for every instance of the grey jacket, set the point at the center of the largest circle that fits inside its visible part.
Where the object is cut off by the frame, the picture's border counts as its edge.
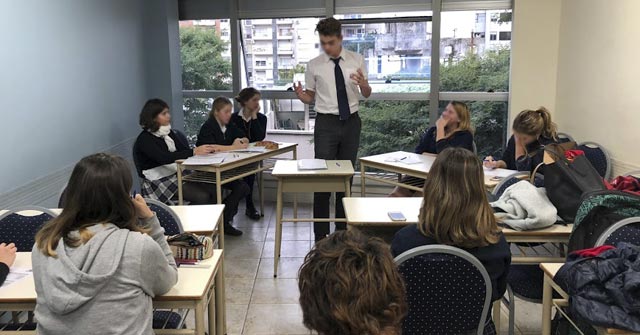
(104, 286)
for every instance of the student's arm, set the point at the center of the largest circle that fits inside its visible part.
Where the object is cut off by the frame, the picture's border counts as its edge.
(307, 95)
(423, 145)
(206, 135)
(7, 257)
(259, 128)
(362, 79)
(158, 268)
(461, 139)
(150, 149)
(4, 271)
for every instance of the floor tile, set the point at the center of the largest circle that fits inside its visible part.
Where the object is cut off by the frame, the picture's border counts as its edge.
(287, 268)
(254, 234)
(241, 268)
(236, 315)
(286, 320)
(288, 248)
(275, 291)
(291, 233)
(237, 247)
(528, 316)
(238, 290)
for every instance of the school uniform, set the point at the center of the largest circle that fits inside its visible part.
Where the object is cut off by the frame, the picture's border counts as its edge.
(529, 161)
(212, 132)
(337, 128)
(496, 258)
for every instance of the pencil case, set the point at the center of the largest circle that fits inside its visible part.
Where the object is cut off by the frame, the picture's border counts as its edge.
(191, 246)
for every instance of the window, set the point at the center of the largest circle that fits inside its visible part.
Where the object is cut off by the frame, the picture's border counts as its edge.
(261, 63)
(478, 67)
(205, 55)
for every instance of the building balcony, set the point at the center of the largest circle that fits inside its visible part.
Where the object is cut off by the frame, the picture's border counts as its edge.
(262, 37)
(285, 37)
(285, 51)
(262, 51)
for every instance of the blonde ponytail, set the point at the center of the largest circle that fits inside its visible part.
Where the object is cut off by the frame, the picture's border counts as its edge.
(535, 123)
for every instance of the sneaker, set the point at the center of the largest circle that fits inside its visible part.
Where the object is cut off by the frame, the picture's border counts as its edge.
(231, 230)
(252, 214)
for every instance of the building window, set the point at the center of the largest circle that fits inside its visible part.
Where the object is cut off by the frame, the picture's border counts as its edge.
(505, 36)
(493, 36)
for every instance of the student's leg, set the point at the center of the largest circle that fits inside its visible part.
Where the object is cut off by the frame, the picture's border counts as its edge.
(199, 193)
(405, 192)
(326, 140)
(250, 210)
(347, 150)
(239, 190)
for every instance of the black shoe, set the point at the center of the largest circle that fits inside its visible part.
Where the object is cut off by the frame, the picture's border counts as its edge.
(252, 213)
(231, 230)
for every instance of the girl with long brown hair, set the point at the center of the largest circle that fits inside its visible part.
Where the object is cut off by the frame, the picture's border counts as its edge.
(101, 261)
(452, 130)
(532, 130)
(455, 211)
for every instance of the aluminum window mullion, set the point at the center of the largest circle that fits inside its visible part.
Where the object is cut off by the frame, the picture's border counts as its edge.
(436, 18)
(474, 96)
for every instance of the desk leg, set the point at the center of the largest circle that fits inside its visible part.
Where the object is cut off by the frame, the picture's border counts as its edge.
(295, 196)
(180, 199)
(496, 314)
(347, 187)
(547, 297)
(217, 308)
(363, 189)
(218, 188)
(261, 191)
(221, 232)
(199, 316)
(276, 252)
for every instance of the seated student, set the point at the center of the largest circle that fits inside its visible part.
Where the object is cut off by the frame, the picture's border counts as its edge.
(101, 261)
(532, 129)
(254, 125)
(7, 257)
(223, 135)
(350, 285)
(455, 212)
(453, 129)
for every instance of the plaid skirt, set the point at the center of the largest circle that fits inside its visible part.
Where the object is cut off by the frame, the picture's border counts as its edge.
(163, 189)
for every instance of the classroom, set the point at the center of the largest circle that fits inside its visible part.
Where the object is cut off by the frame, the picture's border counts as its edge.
(332, 167)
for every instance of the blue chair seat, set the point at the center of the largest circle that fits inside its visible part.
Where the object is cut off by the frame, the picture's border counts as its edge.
(167, 320)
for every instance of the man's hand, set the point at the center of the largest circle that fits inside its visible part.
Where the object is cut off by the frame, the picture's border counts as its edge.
(359, 79)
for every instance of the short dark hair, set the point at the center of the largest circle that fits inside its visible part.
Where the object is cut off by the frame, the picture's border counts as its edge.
(246, 94)
(350, 285)
(151, 109)
(218, 104)
(329, 27)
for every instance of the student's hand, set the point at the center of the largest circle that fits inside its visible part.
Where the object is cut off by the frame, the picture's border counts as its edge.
(204, 149)
(241, 143)
(490, 163)
(442, 122)
(8, 253)
(142, 210)
(359, 79)
(299, 90)
(254, 113)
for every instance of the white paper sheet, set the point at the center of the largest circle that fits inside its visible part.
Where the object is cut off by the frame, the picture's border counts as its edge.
(205, 159)
(16, 274)
(406, 159)
(312, 164)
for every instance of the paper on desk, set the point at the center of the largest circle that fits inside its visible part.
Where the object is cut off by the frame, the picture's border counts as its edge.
(408, 159)
(15, 274)
(501, 173)
(205, 159)
(252, 149)
(312, 164)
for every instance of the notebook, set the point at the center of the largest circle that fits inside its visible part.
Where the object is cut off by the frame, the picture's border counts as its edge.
(204, 159)
(312, 164)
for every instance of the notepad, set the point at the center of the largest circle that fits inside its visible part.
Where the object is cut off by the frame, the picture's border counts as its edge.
(312, 164)
(406, 159)
(15, 274)
(204, 159)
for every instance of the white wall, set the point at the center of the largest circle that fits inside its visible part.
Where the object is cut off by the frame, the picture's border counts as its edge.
(598, 71)
(534, 55)
(74, 76)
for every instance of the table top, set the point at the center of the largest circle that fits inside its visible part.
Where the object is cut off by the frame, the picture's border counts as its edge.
(374, 212)
(199, 219)
(193, 283)
(421, 169)
(335, 168)
(235, 158)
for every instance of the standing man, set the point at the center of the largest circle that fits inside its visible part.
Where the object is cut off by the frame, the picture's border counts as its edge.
(334, 81)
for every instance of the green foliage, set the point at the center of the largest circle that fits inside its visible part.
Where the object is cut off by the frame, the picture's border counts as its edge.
(286, 75)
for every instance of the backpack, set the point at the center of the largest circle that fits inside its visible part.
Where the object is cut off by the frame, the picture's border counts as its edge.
(599, 210)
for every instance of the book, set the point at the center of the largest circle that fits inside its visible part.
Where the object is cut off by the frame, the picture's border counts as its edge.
(312, 164)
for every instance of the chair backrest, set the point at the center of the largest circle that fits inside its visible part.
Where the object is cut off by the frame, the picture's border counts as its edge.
(564, 137)
(19, 227)
(508, 181)
(61, 196)
(598, 156)
(169, 220)
(448, 290)
(626, 230)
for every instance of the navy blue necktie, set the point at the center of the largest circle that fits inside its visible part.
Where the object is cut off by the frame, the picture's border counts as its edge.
(341, 90)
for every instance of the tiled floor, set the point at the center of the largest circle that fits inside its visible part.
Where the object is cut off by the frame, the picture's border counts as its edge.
(257, 303)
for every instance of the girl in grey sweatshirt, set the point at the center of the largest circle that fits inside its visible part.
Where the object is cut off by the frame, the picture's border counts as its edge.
(99, 278)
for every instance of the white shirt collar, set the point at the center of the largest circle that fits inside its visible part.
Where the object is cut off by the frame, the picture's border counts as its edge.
(342, 55)
(241, 112)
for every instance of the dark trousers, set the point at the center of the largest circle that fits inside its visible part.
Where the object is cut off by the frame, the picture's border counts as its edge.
(250, 180)
(333, 139)
(205, 194)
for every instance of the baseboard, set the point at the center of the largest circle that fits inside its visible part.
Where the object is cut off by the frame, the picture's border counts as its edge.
(44, 191)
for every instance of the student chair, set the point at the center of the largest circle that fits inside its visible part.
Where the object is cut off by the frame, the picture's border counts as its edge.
(504, 184)
(626, 230)
(20, 228)
(598, 156)
(169, 220)
(564, 137)
(448, 291)
(168, 319)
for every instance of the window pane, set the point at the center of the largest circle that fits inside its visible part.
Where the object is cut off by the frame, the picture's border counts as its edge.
(489, 118)
(397, 55)
(196, 112)
(286, 114)
(205, 55)
(475, 50)
(277, 51)
(391, 125)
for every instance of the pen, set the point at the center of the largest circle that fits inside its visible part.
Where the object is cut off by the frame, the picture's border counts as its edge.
(338, 165)
(403, 158)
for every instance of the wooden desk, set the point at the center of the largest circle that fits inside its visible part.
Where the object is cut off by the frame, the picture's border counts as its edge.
(550, 270)
(197, 289)
(419, 170)
(234, 168)
(336, 178)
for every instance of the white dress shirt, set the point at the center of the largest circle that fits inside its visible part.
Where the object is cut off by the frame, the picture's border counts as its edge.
(320, 78)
